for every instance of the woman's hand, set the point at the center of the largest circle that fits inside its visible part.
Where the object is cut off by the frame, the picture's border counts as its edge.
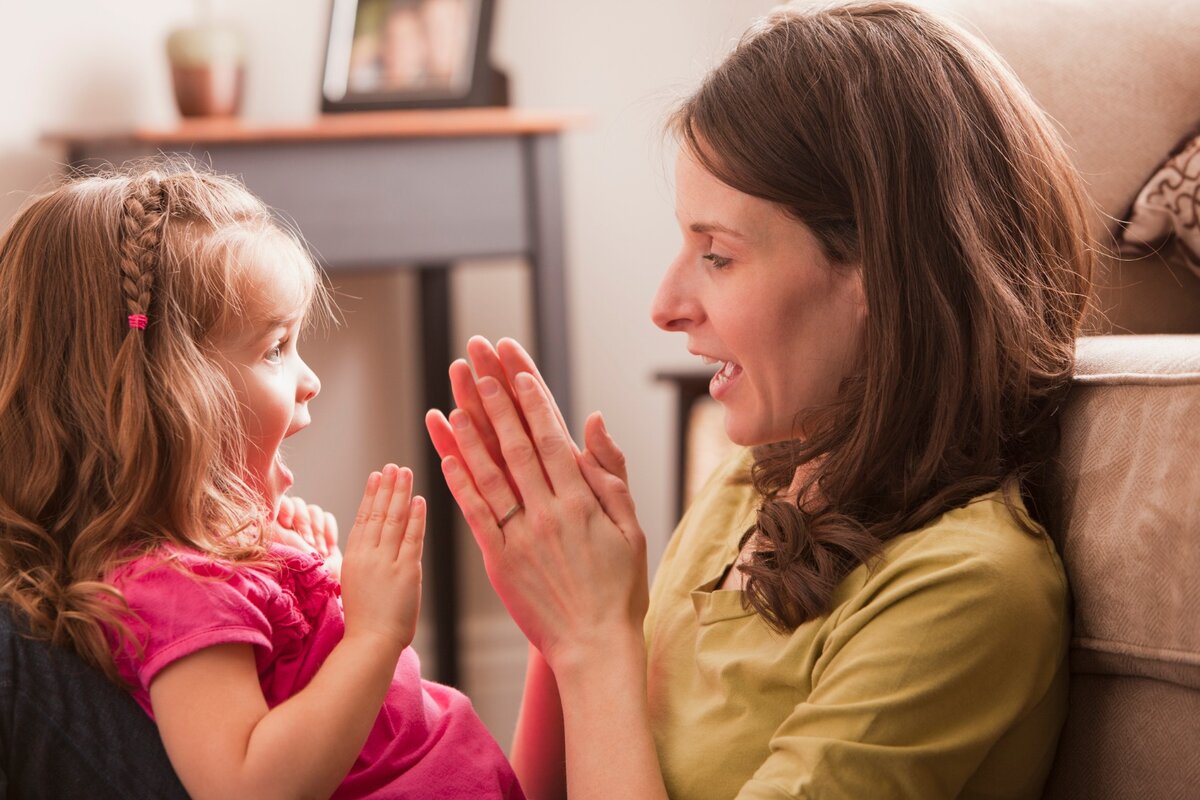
(381, 569)
(502, 362)
(571, 565)
(308, 527)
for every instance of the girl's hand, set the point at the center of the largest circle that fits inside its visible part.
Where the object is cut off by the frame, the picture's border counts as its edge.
(307, 527)
(381, 569)
(571, 565)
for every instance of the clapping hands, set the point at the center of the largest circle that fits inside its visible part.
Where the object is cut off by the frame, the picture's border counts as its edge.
(570, 563)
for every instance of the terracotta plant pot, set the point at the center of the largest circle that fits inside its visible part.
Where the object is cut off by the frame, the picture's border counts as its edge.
(207, 70)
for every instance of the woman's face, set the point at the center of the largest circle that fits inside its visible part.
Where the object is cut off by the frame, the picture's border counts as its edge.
(754, 292)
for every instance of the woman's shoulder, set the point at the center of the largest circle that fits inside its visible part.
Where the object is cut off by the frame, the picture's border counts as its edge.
(987, 555)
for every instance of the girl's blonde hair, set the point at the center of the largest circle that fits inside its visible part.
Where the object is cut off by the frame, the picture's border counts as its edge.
(114, 439)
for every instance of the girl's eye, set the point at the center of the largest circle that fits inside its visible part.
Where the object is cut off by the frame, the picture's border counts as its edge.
(718, 262)
(275, 353)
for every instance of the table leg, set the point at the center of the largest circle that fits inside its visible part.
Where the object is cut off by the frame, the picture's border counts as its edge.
(548, 267)
(440, 549)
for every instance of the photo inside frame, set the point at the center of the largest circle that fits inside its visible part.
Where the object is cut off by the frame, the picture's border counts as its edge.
(401, 48)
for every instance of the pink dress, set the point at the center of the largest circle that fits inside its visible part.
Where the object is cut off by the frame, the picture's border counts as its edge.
(427, 741)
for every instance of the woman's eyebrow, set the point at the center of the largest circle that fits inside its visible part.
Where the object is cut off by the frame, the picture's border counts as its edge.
(714, 227)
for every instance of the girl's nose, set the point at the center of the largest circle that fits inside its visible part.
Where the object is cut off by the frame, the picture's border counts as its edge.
(675, 306)
(309, 385)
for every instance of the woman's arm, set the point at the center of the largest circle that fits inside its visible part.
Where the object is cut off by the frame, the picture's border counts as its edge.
(222, 738)
(538, 751)
(571, 568)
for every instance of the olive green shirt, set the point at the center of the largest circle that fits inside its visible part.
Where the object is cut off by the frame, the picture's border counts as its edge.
(939, 673)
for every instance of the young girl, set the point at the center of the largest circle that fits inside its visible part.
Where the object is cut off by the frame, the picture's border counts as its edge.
(150, 374)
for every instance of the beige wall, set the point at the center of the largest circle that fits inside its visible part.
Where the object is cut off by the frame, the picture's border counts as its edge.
(80, 65)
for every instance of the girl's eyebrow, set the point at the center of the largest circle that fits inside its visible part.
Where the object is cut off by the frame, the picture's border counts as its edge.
(275, 323)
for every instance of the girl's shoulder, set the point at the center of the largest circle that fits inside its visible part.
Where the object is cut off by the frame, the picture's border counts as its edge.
(282, 569)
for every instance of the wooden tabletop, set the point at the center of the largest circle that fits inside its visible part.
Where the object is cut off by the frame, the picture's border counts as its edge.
(356, 125)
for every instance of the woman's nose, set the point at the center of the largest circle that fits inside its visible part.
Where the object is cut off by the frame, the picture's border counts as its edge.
(675, 306)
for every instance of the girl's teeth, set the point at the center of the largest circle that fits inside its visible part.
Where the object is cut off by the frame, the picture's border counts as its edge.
(707, 360)
(729, 368)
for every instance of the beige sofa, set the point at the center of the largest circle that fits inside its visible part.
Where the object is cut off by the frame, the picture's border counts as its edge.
(1130, 481)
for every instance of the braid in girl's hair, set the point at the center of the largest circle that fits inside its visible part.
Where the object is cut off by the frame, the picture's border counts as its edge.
(142, 218)
(131, 423)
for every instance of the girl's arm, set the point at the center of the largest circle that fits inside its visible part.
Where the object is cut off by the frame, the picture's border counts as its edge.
(222, 738)
(571, 568)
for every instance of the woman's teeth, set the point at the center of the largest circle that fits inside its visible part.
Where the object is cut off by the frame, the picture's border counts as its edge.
(725, 372)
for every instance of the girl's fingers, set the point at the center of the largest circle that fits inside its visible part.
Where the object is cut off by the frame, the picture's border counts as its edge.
(284, 515)
(379, 505)
(476, 511)
(553, 445)
(359, 535)
(490, 481)
(600, 444)
(520, 455)
(515, 360)
(316, 527)
(300, 521)
(331, 533)
(414, 531)
(395, 519)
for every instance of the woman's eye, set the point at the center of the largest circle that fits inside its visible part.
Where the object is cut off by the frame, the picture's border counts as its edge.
(718, 262)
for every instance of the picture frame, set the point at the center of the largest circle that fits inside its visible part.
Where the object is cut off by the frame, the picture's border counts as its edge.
(396, 54)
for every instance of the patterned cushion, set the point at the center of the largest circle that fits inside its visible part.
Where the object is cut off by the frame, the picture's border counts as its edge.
(1163, 218)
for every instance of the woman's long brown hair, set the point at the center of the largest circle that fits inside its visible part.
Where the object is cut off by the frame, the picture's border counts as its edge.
(913, 154)
(114, 440)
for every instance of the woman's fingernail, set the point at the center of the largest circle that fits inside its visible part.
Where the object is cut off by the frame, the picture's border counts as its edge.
(488, 387)
(524, 382)
(449, 464)
(459, 419)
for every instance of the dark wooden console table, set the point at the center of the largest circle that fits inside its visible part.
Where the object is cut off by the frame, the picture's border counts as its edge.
(404, 190)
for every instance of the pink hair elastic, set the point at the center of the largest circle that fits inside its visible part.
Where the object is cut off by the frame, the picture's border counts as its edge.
(137, 321)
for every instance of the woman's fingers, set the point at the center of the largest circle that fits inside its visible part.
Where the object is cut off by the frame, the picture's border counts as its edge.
(475, 509)
(441, 434)
(600, 444)
(553, 445)
(520, 454)
(515, 360)
(488, 477)
(466, 397)
(611, 492)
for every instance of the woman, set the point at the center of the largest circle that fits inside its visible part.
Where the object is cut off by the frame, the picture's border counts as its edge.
(886, 251)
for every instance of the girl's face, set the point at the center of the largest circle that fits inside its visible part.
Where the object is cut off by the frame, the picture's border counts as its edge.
(273, 384)
(754, 292)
